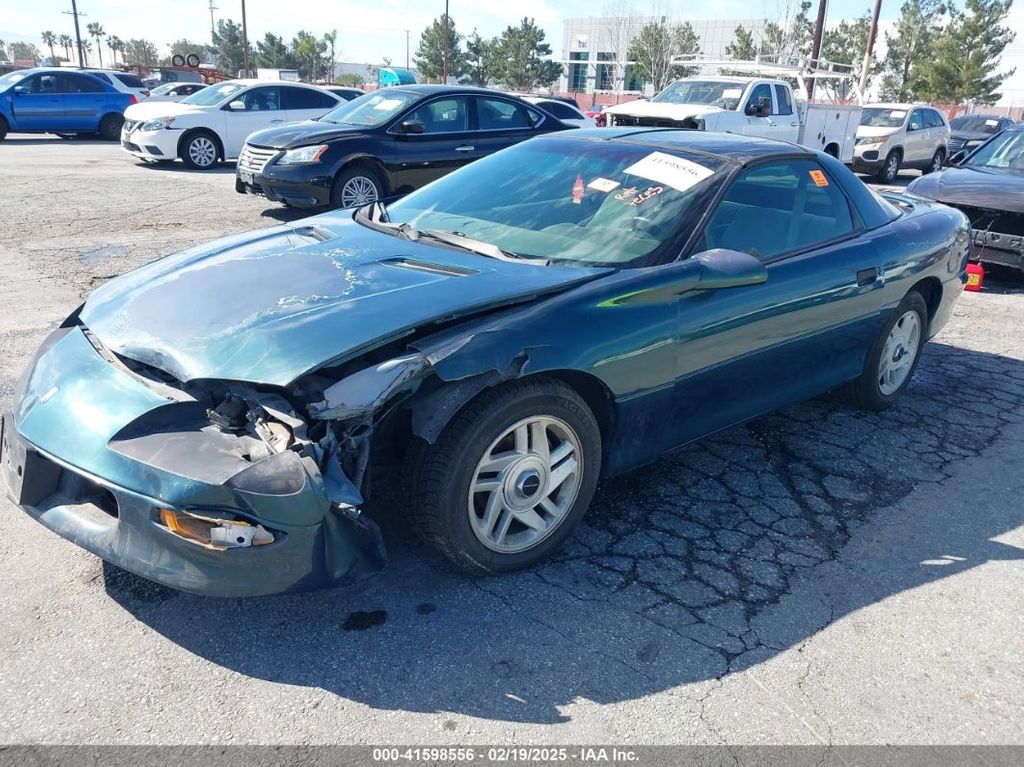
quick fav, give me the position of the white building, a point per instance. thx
(591, 46)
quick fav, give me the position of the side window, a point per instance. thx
(933, 119)
(44, 84)
(307, 98)
(784, 100)
(81, 84)
(498, 114)
(261, 99)
(443, 115)
(762, 93)
(916, 120)
(778, 208)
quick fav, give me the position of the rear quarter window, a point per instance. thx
(559, 110)
(132, 81)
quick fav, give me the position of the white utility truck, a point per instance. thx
(756, 98)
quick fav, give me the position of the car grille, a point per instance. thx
(956, 144)
(254, 159)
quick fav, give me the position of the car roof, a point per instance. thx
(894, 105)
(730, 147)
(428, 89)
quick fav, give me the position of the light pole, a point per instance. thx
(245, 43)
(447, 38)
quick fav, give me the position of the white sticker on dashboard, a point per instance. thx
(388, 104)
(602, 184)
(677, 172)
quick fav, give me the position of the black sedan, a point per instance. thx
(987, 185)
(968, 132)
(384, 144)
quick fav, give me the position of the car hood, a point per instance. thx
(971, 135)
(302, 134)
(661, 109)
(874, 130)
(994, 189)
(152, 109)
(268, 306)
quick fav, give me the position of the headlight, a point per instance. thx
(157, 124)
(302, 154)
(866, 140)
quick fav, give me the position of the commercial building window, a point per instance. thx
(578, 72)
(633, 78)
(605, 72)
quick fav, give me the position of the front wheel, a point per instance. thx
(509, 478)
(893, 356)
(110, 127)
(891, 168)
(199, 151)
(355, 187)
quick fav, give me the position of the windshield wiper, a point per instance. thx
(461, 241)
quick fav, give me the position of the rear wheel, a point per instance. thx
(199, 150)
(3, 129)
(509, 478)
(891, 168)
(110, 127)
(936, 162)
(355, 187)
(893, 356)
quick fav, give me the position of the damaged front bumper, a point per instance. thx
(137, 477)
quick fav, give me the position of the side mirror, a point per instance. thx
(21, 90)
(411, 126)
(958, 157)
(760, 109)
(724, 268)
(237, 106)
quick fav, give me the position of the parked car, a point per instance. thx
(211, 124)
(126, 82)
(343, 93)
(46, 100)
(896, 136)
(987, 185)
(561, 110)
(971, 131)
(385, 143)
(174, 91)
(567, 309)
(596, 113)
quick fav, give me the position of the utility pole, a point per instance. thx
(819, 30)
(407, 47)
(447, 37)
(213, 31)
(870, 47)
(245, 43)
(78, 34)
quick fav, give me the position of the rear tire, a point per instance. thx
(356, 186)
(508, 479)
(890, 168)
(199, 150)
(936, 163)
(110, 127)
(893, 356)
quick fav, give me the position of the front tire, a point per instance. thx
(891, 168)
(509, 478)
(110, 127)
(355, 187)
(893, 356)
(199, 150)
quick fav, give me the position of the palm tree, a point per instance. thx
(96, 30)
(66, 42)
(115, 44)
(86, 50)
(50, 39)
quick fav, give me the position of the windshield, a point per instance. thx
(11, 78)
(1004, 152)
(975, 124)
(213, 95)
(371, 109)
(584, 201)
(719, 93)
(883, 117)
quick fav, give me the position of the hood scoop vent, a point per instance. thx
(446, 270)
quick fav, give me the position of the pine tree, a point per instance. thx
(430, 55)
(742, 46)
(908, 47)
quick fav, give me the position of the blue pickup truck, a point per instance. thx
(60, 101)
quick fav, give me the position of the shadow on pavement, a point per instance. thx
(705, 563)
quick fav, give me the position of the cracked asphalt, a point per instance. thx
(818, 576)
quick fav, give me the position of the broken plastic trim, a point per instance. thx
(214, 533)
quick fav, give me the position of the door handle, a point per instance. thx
(867, 276)
(465, 148)
(277, 121)
(794, 125)
(774, 125)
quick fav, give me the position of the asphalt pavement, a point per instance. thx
(818, 576)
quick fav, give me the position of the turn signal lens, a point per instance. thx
(214, 533)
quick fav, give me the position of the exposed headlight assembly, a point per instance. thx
(158, 124)
(868, 140)
(305, 154)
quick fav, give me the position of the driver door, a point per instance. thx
(760, 95)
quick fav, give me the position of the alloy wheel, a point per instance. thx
(358, 191)
(899, 353)
(202, 151)
(525, 484)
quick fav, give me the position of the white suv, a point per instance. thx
(211, 124)
(126, 82)
(895, 136)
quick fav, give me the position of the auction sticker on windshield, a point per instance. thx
(677, 172)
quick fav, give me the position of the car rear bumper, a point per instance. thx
(60, 464)
(997, 248)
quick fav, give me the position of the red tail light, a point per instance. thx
(132, 100)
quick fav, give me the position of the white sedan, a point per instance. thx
(211, 125)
